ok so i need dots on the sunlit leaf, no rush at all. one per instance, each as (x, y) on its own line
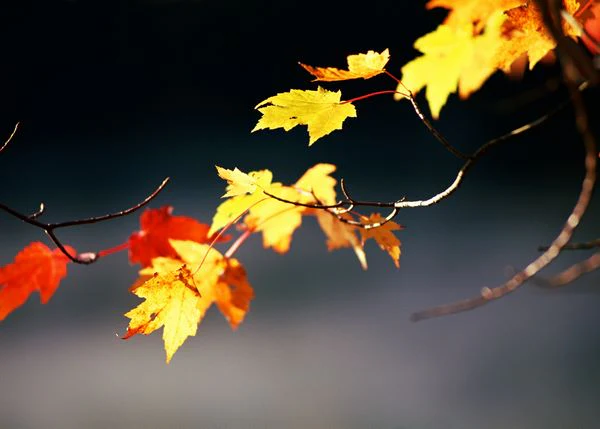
(36, 269)
(359, 66)
(178, 294)
(322, 111)
(157, 226)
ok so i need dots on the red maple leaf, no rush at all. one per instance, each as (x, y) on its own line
(36, 268)
(592, 27)
(157, 227)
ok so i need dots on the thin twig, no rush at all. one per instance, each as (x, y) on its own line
(83, 258)
(577, 246)
(347, 204)
(39, 212)
(575, 271)
(438, 136)
(14, 131)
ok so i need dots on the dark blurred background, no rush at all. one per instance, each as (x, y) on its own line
(113, 96)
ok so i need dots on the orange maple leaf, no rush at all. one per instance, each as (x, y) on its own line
(157, 227)
(177, 295)
(592, 28)
(359, 66)
(36, 268)
(524, 32)
(383, 235)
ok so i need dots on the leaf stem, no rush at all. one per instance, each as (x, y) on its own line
(372, 94)
(223, 230)
(112, 250)
(238, 242)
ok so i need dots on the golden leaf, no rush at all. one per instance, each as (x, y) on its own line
(476, 12)
(321, 110)
(241, 183)
(476, 39)
(525, 33)
(276, 220)
(445, 50)
(177, 298)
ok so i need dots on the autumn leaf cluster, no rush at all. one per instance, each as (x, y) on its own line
(477, 39)
(182, 273)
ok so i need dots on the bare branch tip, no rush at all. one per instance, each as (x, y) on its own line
(14, 131)
(39, 212)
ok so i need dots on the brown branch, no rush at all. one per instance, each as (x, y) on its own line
(572, 273)
(14, 131)
(577, 246)
(347, 204)
(566, 232)
(434, 132)
(87, 257)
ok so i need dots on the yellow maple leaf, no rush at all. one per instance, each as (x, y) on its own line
(445, 50)
(321, 110)
(177, 298)
(246, 190)
(240, 183)
(477, 39)
(359, 66)
(317, 181)
(476, 12)
(483, 61)
(276, 220)
(383, 235)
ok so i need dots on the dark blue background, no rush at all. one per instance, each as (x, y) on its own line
(115, 95)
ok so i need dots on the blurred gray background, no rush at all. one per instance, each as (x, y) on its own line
(115, 95)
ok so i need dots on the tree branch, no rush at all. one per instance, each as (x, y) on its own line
(438, 136)
(573, 272)
(585, 195)
(83, 258)
(577, 246)
(348, 203)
